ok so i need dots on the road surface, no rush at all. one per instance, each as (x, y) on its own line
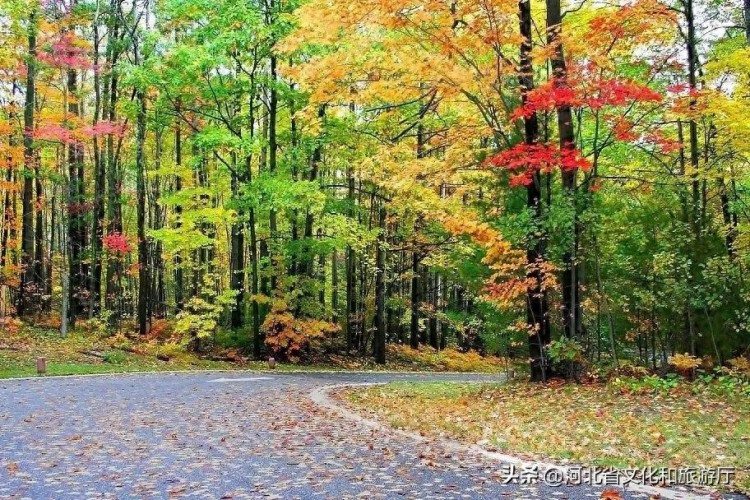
(224, 435)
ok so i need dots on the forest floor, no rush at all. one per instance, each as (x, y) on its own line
(687, 425)
(85, 351)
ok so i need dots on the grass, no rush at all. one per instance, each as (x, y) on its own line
(85, 351)
(691, 425)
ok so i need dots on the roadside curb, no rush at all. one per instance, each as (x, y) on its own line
(321, 396)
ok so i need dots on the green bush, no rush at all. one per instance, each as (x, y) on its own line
(115, 357)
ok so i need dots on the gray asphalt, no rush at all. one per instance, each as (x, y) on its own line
(189, 435)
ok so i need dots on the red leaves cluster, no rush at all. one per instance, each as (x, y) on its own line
(524, 160)
(67, 135)
(116, 243)
(66, 52)
(105, 127)
(596, 95)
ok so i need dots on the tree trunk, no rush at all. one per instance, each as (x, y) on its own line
(415, 286)
(76, 211)
(571, 308)
(537, 314)
(272, 150)
(179, 279)
(28, 286)
(237, 255)
(351, 286)
(380, 256)
(99, 187)
(144, 280)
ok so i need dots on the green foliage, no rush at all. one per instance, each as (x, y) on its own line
(201, 317)
(647, 384)
(114, 357)
(565, 350)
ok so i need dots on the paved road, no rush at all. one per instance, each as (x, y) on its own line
(219, 435)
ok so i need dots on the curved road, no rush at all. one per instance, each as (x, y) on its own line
(223, 435)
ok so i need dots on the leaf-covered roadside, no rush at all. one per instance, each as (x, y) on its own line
(87, 351)
(689, 425)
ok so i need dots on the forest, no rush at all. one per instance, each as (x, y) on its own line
(560, 183)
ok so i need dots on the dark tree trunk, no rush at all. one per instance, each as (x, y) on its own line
(28, 286)
(40, 274)
(144, 281)
(351, 286)
(237, 256)
(113, 297)
(694, 212)
(537, 314)
(76, 212)
(254, 288)
(433, 323)
(99, 187)
(335, 285)
(179, 277)
(415, 288)
(272, 150)
(158, 302)
(8, 217)
(380, 256)
(571, 307)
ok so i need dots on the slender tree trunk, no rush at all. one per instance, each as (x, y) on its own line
(8, 216)
(335, 285)
(380, 334)
(237, 257)
(144, 280)
(179, 278)
(99, 189)
(40, 277)
(76, 210)
(537, 314)
(414, 330)
(570, 283)
(694, 212)
(257, 337)
(351, 286)
(113, 299)
(272, 150)
(28, 287)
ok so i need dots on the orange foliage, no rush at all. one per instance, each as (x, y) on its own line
(292, 339)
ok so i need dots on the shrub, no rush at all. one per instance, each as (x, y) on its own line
(161, 329)
(293, 339)
(629, 369)
(120, 341)
(94, 326)
(200, 317)
(649, 384)
(10, 325)
(446, 360)
(740, 365)
(685, 364)
(565, 350)
(114, 357)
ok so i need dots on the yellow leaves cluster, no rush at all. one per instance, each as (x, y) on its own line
(684, 363)
(445, 360)
(740, 364)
